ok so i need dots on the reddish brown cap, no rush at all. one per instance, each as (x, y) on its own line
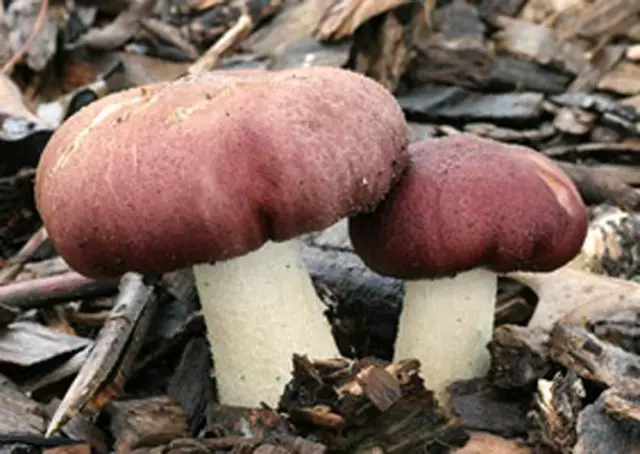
(466, 202)
(210, 167)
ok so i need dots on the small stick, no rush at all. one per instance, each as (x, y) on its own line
(16, 263)
(225, 44)
(50, 290)
(42, 13)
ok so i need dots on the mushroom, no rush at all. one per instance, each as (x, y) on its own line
(223, 172)
(466, 209)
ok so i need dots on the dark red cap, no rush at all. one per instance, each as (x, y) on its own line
(467, 202)
(210, 167)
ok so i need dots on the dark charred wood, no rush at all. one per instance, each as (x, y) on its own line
(519, 357)
(481, 407)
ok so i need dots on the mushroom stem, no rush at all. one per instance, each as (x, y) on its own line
(259, 309)
(446, 323)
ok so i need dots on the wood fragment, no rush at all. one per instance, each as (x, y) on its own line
(519, 357)
(19, 415)
(413, 424)
(26, 343)
(190, 384)
(558, 403)
(485, 443)
(383, 47)
(590, 358)
(146, 422)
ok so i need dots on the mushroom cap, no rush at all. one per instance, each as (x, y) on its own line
(467, 202)
(210, 167)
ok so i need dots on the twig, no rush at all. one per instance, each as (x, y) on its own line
(42, 13)
(103, 374)
(226, 43)
(47, 291)
(16, 263)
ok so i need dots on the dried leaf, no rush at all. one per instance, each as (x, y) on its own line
(571, 295)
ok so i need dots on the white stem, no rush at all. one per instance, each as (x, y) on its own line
(446, 324)
(259, 309)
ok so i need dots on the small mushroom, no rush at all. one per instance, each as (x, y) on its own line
(222, 172)
(466, 209)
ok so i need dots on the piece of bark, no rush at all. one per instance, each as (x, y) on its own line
(558, 403)
(26, 343)
(601, 17)
(383, 45)
(18, 413)
(454, 50)
(109, 363)
(600, 433)
(454, 104)
(623, 79)
(598, 186)
(63, 371)
(519, 357)
(191, 385)
(480, 407)
(507, 72)
(572, 121)
(538, 43)
(51, 290)
(340, 20)
(485, 443)
(326, 400)
(146, 422)
(591, 358)
(287, 41)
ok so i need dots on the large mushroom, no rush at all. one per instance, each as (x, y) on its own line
(466, 209)
(222, 172)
